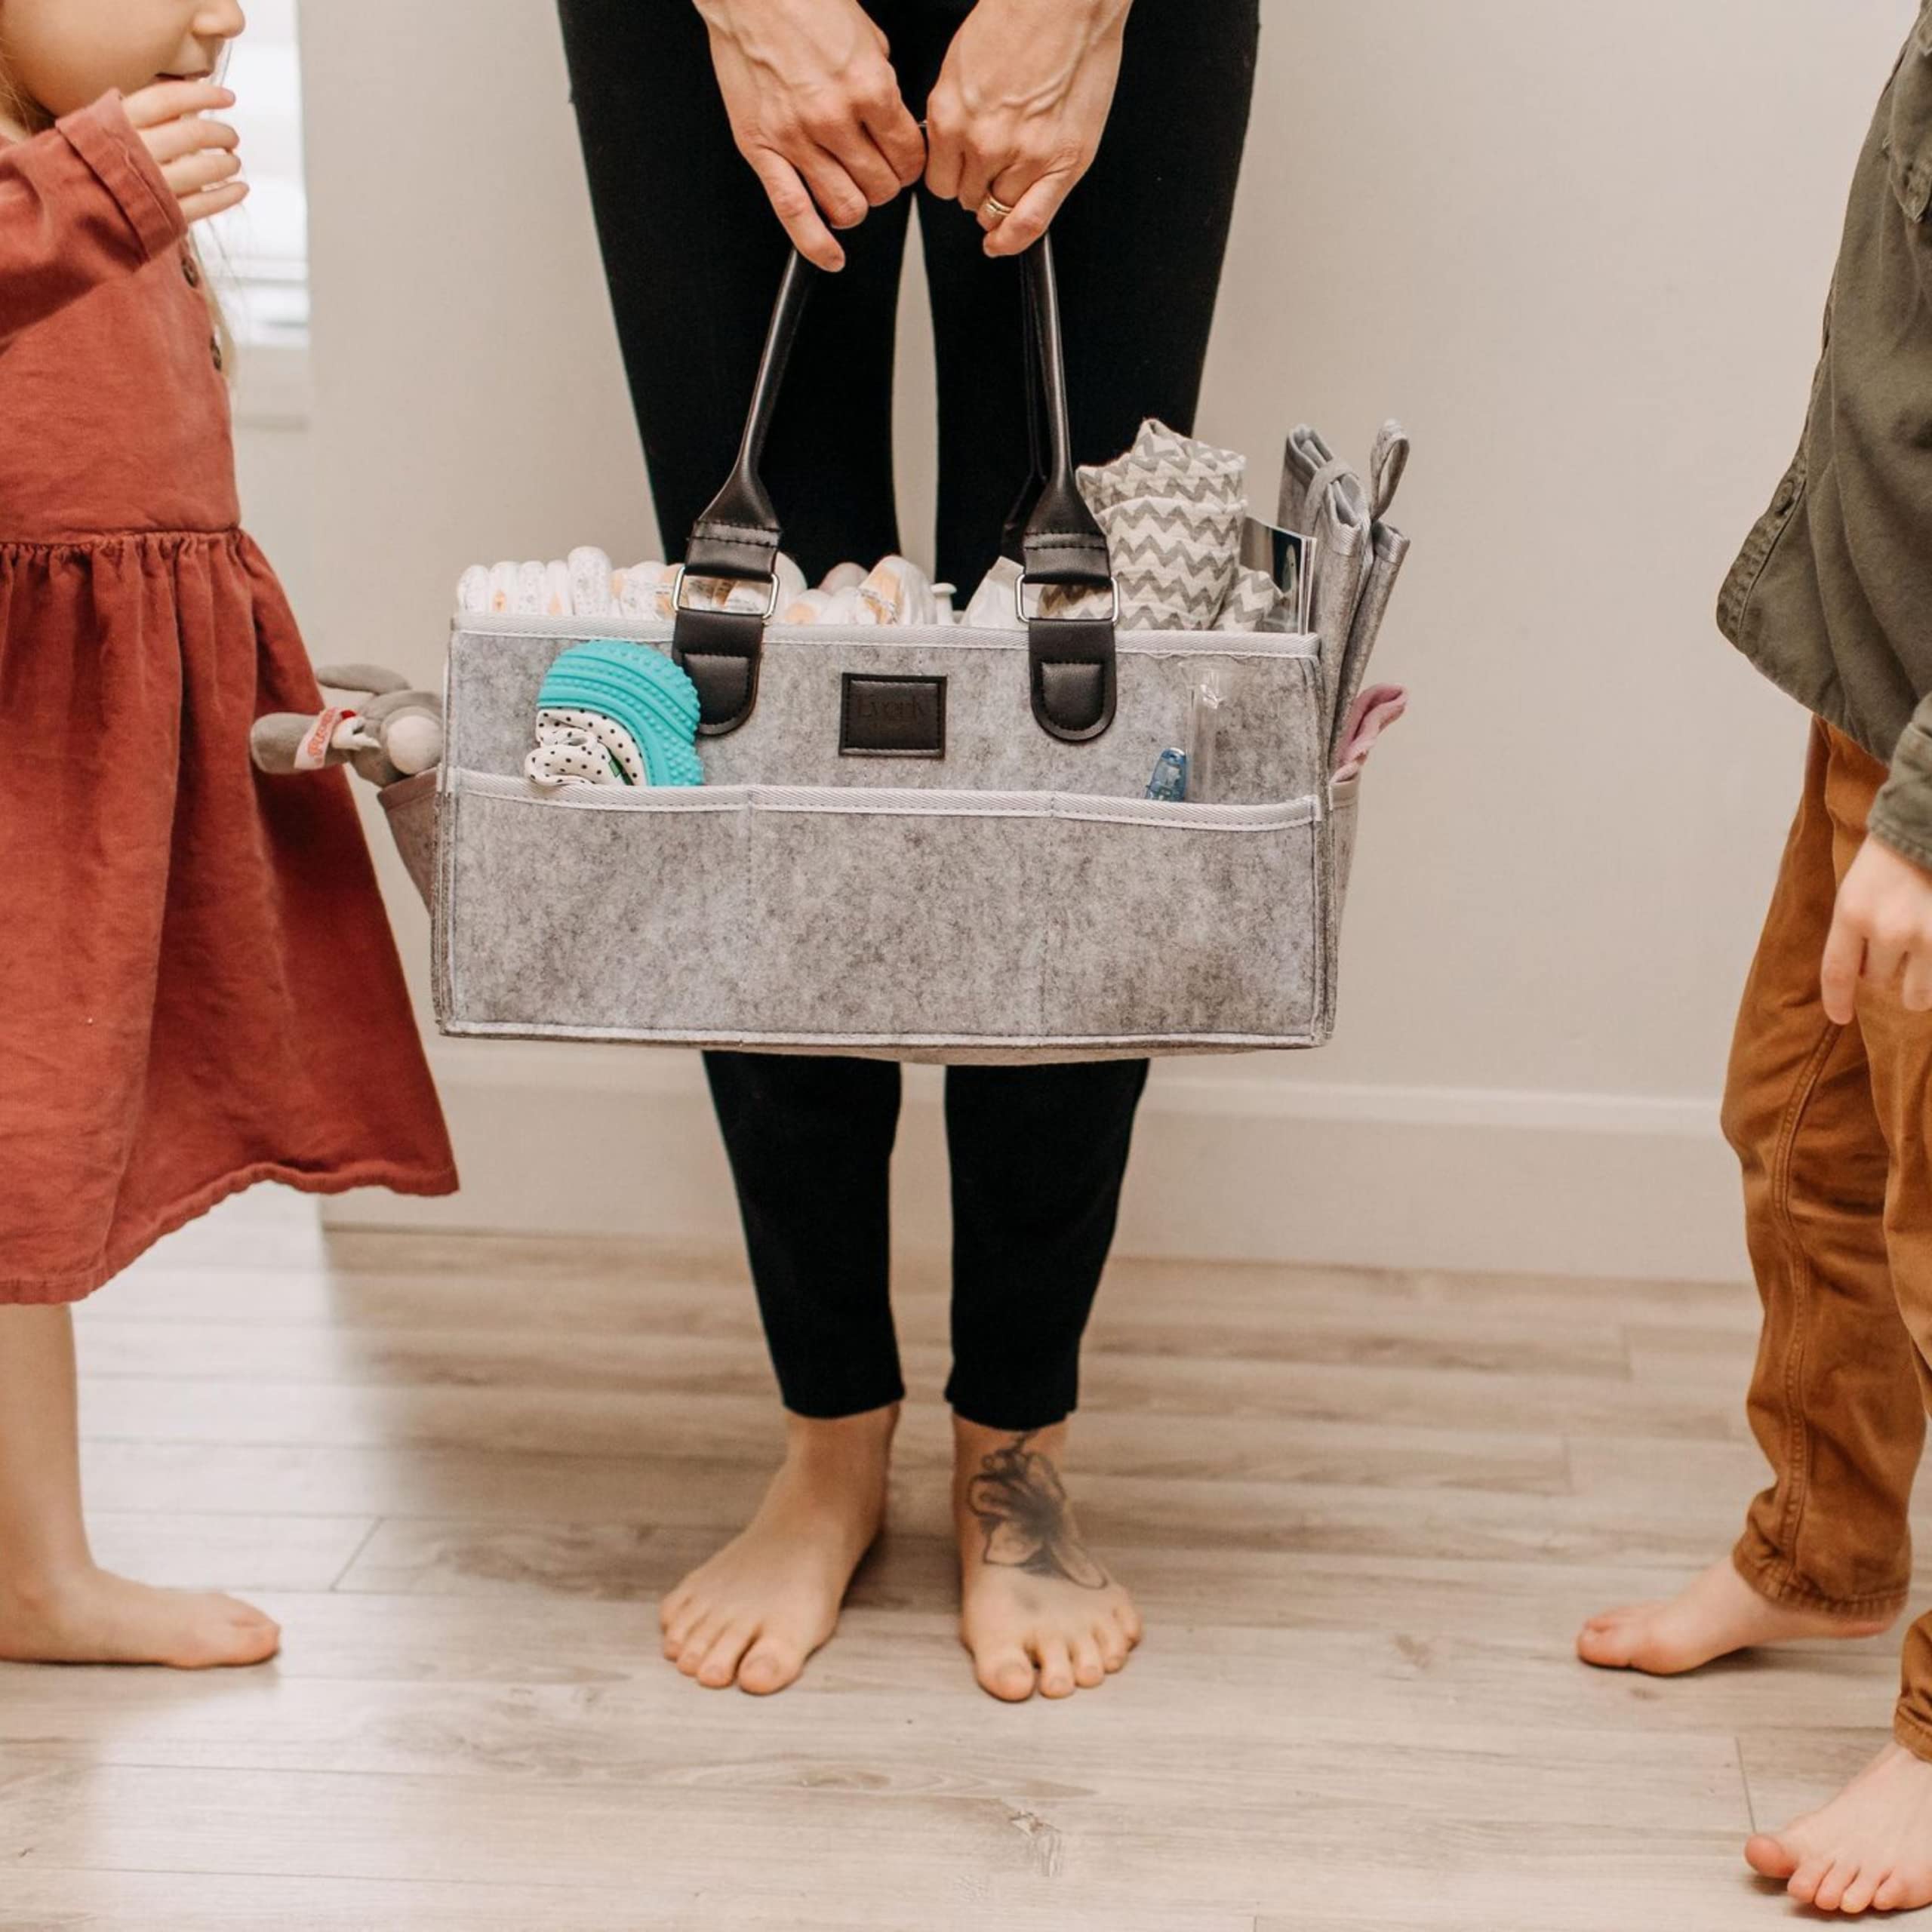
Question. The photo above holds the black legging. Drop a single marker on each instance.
(693, 254)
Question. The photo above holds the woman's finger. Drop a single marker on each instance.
(199, 172)
(977, 170)
(796, 210)
(841, 200)
(1032, 215)
(854, 150)
(216, 201)
(174, 139)
(874, 138)
(898, 137)
(1009, 187)
(169, 100)
(945, 156)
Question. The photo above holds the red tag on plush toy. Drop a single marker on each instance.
(312, 753)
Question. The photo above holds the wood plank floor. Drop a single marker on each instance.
(1364, 1514)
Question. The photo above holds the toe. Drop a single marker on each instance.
(1131, 1627)
(770, 1667)
(1859, 1894)
(1770, 1857)
(725, 1652)
(1833, 1886)
(1089, 1666)
(1007, 1674)
(261, 1640)
(216, 1632)
(1903, 1891)
(694, 1643)
(1607, 1641)
(253, 1634)
(1805, 1880)
(1055, 1668)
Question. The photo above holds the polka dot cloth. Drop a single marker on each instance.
(583, 748)
(614, 712)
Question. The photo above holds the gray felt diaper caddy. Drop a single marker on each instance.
(913, 843)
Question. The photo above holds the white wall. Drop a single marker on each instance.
(1581, 250)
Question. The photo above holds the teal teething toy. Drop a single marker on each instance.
(640, 691)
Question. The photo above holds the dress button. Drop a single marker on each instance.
(214, 350)
(190, 272)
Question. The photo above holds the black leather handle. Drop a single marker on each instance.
(737, 538)
(1070, 660)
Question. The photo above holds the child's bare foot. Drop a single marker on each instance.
(1711, 1617)
(93, 1616)
(1037, 1611)
(769, 1598)
(1869, 1850)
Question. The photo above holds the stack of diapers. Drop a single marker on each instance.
(894, 591)
(612, 712)
(586, 584)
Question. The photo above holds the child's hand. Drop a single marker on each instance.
(1882, 927)
(196, 156)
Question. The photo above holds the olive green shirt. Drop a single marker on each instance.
(1831, 597)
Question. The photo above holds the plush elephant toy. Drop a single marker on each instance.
(391, 734)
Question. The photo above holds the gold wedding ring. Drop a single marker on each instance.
(994, 207)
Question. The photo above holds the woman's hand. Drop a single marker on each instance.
(196, 156)
(1018, 109)
(816, 109)
(1881, 931)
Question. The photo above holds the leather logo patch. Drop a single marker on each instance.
(892, 717)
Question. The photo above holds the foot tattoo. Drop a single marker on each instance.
(1021, 1504)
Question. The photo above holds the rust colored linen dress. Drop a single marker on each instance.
(198, 989)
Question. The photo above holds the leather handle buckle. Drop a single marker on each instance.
(1031, 617)
(681, 608)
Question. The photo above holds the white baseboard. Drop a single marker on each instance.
(1228, 1165)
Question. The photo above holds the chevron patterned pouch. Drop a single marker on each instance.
(1172, 509)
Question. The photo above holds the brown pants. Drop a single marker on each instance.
(1830, 1123)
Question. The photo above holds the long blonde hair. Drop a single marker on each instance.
(25, 111)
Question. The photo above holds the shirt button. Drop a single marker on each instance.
(190, 272)
(214, 350)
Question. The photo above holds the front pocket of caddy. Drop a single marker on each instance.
(1187, 922)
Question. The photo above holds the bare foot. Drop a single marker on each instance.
(1037, 1612)
(1869, 1850)
(1711, 1617)
(93, 1617)
(754, 1613)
